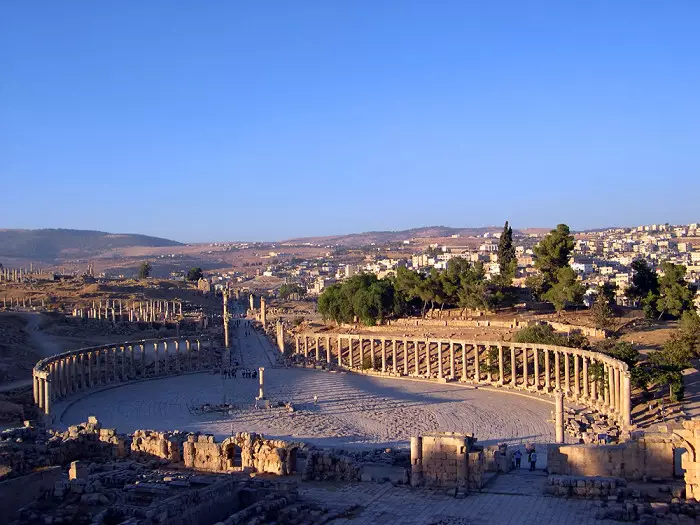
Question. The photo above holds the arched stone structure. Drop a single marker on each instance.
(589, 378)
(64, 374)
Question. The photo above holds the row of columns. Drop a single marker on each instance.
(64, 374)
(148, 311)
(584, 376)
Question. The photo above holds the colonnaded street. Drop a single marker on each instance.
(352, 410)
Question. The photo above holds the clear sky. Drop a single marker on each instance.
(225, 120)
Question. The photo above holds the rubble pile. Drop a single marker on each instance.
(128, 492)
(588, 426)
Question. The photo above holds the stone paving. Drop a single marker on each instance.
(353, 410)
(513, 499)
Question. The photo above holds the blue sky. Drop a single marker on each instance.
(223, 120)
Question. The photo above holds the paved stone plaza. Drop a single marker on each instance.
(512, 499)
(353, 410)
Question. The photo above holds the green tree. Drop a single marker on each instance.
(474, 292)
(552, 253)
(644, 281)
(545, 334)
(602, 311)
(536, 285)
(675, 296)
(145, 270)
(507, 261)
(566, 290)
(195, 274)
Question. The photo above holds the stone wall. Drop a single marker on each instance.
(649, 456)
(165, 445)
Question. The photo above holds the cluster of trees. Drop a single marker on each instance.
(462, 284)
(668, 295)
(287, 290)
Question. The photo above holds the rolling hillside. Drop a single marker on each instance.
(52, 245)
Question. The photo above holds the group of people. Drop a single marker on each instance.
(246, 373)
(531, 458)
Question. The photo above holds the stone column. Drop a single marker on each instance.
(557, 370)
(613, 389)
(98, 377)
(371, 353)
(90, 382)
(415, 353)
(39, 391)
(428, 364)
(177, 355)
(513, 367)
(525, 372)
(393, 356)
(547, 370)
(35, 388)
(157, 367)
(263, 313)
(199, 354)
(606, 395)
(464, 361)
(594, 385)
(383, 343)
(350, 360)
(487, 349)
(618, 391)
(577, 378)
(317, 349)
(328, 349)
(477, 371)
(81, 372)
(567, 377)
(122, 352)
(114, 363)
(536, 364)
(501, 370)
(626, 399)
(453, 372)
(143, 358)
(558, 416)
(47, 396)
(306, 348)
(416, 461)
(405, 357)
(225, 319)
(296, 344)
(439, 354)
(261, 376)
(585, 377)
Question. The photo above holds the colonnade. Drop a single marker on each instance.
(589, 378)
(64, 374)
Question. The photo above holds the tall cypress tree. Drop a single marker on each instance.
(507, 262)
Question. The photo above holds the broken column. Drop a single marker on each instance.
(416, 461)
(558, 416)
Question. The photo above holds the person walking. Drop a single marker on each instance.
(518, 456)
(315, 399)
(533, 460)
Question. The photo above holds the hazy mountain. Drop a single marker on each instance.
(51, 245)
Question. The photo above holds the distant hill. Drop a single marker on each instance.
(51, 245)
(383, 237)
